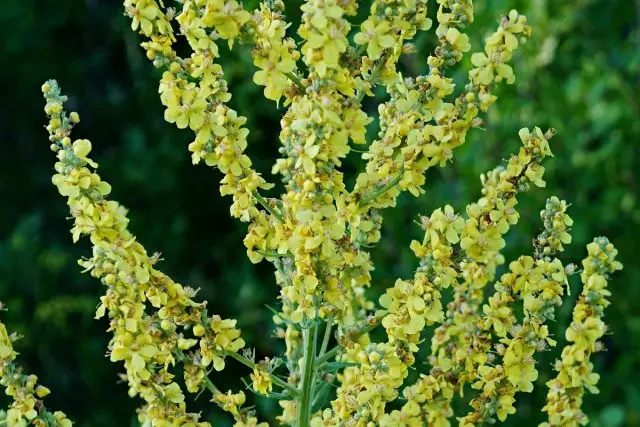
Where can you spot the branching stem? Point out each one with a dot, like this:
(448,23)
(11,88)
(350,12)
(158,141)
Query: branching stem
(368,198)
(250,364)
(273,211)
(370,326)
(296,80)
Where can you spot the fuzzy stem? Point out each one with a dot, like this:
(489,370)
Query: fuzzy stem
(368,198)
(296,81)
(360,332)
(267,206)
(276,380)
(327,336)
(308,376)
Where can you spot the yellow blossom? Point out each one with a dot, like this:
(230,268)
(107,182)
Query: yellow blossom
(261,381)
(273,74)
(376,36)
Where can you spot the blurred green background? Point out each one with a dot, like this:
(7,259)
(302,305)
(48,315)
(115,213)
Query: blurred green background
(579,74)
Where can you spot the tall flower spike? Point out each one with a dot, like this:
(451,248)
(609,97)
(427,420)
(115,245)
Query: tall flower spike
(448,257)
(575,369)
(409,144)
(538,282)
(194,93)
(149,314)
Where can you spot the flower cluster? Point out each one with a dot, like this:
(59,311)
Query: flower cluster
(366,389)
(464,253)
(317,232)
(151,317)
(27,407)
(575,371)
(194,92)
(556,225)
(274,54)
(408,143)
(539,283)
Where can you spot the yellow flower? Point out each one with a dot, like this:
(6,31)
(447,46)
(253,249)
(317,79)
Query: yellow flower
(319,16)
(42,391)
(376,36)
(458,40)
(227,16)
(477,242)
(173,393)
(188,110)
(143,14)
(330,47)
(273,72)
(81,148)
(230,402)
(505,406)
(519,366)
(489,71)
(355,121)
(499,315)
(587,333)
(261,381)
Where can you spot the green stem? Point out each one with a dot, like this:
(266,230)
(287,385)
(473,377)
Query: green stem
(296,80)
(327,336)
(368,198)
(267,206)
(276,380)
(211,386)
(308,376)
(360,332)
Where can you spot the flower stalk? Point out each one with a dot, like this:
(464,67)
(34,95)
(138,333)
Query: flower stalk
(309,337)
(276,380)
(265,204)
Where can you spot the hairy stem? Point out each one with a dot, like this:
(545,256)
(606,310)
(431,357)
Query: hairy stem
(327,336)
(294,78)
(370,326)
(273,211)
(308,375)
(276,380)
(368,198)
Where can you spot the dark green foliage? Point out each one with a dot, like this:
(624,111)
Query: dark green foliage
(579,74)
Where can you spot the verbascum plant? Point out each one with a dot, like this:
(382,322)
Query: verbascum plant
(28,407)
(318,232)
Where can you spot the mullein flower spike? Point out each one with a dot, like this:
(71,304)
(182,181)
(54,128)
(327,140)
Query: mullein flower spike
(318,231)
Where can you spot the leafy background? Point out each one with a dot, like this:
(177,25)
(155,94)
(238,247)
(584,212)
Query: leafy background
(579,74)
